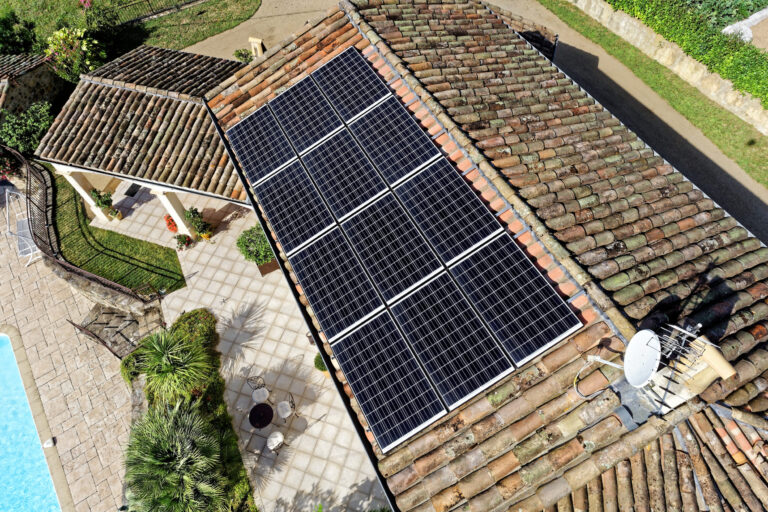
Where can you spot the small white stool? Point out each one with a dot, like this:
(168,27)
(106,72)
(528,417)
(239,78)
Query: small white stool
(275,441)
(260,395)
(284,410)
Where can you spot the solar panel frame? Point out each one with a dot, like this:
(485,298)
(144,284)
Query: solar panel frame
(350,83)
(288,191)
(260,145)
(434,197)
(376,360)
(335,284)
(442,328)
(519,304)
(393,251)
(343,173)
(387,126)
(304,114)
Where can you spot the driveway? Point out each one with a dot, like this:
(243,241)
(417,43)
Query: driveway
(274,21)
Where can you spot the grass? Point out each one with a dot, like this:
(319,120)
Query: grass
(736,138)
(121,259)
(176,30)
(193,24)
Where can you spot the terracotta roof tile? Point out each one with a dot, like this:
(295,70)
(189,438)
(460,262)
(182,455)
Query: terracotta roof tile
(12,66)
(138,116)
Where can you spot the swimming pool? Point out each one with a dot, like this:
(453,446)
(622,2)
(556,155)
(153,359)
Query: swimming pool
(25,481)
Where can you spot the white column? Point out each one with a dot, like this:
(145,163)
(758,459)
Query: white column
(175,209)
(80,183)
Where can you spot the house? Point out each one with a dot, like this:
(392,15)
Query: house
(624,237)
(141,118)
(26,79)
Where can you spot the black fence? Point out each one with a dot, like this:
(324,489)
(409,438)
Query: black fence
(42,225)
(127,11)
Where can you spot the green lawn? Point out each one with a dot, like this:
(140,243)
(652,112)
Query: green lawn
(176,30)
(121,259)
(736,138)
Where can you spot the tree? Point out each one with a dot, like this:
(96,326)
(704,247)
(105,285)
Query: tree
(176,368)
(173,462)
(24,131)
(16,36)
(71,51)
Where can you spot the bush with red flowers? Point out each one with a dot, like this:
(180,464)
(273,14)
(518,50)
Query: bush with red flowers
(170,223)
(9,167)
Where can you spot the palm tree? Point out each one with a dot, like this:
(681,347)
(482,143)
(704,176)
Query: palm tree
(175,367)
(173,462)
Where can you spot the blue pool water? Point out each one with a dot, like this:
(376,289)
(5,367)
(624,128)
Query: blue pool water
(25,482)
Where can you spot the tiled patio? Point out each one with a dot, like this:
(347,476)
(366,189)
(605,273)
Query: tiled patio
(263,334)
(84,398)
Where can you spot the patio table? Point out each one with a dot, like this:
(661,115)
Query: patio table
(261,415)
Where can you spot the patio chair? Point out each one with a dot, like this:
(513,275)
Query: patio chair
(275,441)
(260,392)
(287,408)
(17,223)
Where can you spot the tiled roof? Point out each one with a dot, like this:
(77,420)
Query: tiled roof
(14,65)
(142,116)
(524,134)
(172,71)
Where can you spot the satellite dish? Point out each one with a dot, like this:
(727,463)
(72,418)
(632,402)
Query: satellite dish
(641,358)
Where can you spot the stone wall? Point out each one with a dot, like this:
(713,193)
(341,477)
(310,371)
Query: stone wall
(712,85)
(38,84)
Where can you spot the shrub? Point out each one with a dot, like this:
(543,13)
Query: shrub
(195,219)
(173,462)
(9,166)
(243,55)
(102,199)
(198,325)
(16,36)
(319,363)
(129,368)
(24,131)
(72,52)
(720,13)
(176,368)
(182,242)
(254,246)
(741,63)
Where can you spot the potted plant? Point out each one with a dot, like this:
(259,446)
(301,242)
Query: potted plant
(320,365)
(9,169)
(195,219)
(103,200)
(254,246)
(170,223)
(182,242)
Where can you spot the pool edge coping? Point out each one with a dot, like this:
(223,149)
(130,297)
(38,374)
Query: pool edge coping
(52,458)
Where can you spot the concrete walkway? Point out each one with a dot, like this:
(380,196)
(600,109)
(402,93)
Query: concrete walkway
(274,21)
(654,120)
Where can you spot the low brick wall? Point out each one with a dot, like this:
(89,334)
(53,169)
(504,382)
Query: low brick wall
(669,54)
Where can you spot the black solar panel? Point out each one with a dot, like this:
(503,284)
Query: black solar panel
(350,83)
(390,386)
(521,307)
(334,282)
(259,144)
(452,217)
(393,140)
(305,115)
(343,173)
(391,248)
(458,352)
(293,206)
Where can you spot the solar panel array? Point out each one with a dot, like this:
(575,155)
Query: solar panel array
(424,297)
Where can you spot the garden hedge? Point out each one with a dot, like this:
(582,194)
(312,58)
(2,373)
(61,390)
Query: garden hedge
(742,63)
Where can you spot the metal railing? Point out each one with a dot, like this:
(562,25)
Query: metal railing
(136,10)
(42,225)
